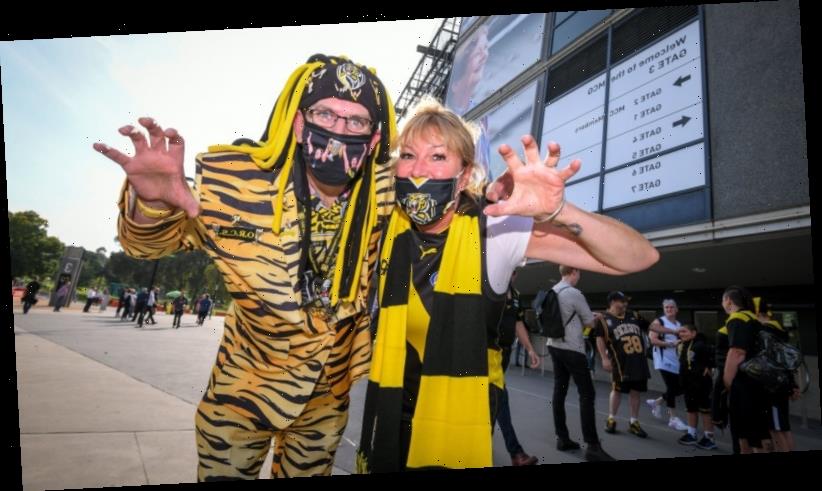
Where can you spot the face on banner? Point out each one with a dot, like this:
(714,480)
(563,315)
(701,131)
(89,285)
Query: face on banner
(483,148)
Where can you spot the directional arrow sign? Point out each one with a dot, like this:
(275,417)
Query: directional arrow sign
(655,137)
(682,80)
(681,121)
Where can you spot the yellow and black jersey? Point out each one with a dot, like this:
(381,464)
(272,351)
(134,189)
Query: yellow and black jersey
(272,350)
(623,338)
(743,332)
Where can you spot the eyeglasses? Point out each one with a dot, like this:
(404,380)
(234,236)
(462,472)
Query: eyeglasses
(327,119)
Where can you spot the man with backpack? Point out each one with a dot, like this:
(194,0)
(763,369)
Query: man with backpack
(747,399)
(568,355)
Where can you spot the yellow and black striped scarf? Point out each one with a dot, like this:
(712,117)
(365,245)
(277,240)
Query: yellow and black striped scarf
(277,149)
(451,425)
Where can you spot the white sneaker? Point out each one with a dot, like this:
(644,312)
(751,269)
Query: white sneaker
(677,424)
(656,409)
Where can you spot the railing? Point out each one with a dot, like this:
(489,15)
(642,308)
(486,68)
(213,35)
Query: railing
(432,72)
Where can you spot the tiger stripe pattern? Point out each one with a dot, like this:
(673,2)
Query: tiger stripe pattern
(272,353)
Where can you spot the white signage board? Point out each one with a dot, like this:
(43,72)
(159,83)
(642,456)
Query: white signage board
(660,135)
(671,52)
(655,99)
(584,194)
(677,171)
(575,122)
(656,117)
(654,105)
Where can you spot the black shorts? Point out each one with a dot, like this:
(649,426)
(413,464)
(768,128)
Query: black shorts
(779,411)
(626,386)
(749,410)
(698,394)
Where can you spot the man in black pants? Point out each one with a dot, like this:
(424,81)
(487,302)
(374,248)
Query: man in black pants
(30,296)
(121,296)
(179,306)
(747,399)
(142,304)
(151,304)
(568,355)
(203,308)
(621,347)
(666,362)
(511,325)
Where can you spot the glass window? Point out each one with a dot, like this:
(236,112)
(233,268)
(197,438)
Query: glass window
(467,22)
(560,17)
(505,123)
(708,322)
(790,321)
(584,194)
(494,54)
(570,27)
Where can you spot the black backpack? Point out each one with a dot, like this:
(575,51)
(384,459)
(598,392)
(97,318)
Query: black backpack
(774,364)
(548,315)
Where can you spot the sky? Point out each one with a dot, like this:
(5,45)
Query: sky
(62,95)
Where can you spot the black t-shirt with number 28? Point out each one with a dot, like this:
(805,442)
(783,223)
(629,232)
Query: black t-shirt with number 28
(625,345)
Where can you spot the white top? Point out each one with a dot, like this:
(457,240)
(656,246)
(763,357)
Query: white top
(668,359)
(572,300)
(506,242)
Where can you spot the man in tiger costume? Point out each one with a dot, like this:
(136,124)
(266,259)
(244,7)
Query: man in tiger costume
(292,223)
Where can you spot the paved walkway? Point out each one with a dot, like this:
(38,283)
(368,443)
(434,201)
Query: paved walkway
(102,403)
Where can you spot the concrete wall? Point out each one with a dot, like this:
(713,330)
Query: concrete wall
(756,107)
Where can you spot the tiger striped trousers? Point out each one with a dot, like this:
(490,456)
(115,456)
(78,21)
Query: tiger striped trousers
(231,446)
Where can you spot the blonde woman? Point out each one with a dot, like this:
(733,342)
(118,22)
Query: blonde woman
(446,261)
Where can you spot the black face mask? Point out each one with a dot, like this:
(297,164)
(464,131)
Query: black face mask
(334,160)
(427,201)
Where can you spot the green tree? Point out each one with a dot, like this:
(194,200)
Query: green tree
(33,252)
(121,268)
(215,285)
(94,266)
(192,271)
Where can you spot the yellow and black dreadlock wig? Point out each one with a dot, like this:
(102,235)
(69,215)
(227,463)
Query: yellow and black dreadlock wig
(320,77)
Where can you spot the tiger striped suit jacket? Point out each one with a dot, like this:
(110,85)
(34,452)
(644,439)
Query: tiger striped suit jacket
(270,356)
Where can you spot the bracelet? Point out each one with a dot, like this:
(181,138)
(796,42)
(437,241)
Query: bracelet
(550,218)
(152,212)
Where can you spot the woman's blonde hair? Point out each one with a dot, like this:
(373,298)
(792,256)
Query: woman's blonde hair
(459,136)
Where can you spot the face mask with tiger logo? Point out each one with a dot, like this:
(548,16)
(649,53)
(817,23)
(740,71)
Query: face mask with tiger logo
(425,200)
